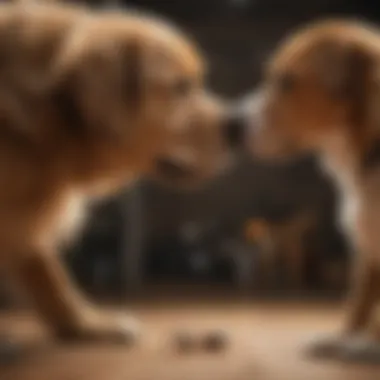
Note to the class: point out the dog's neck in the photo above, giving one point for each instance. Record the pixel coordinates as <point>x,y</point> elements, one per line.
<point>342,164</point>
<point>338,158</point>
<point>351,167</point>
<point>352,159</point>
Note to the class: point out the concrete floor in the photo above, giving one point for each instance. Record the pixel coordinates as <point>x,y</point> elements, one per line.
<point>265,344</point>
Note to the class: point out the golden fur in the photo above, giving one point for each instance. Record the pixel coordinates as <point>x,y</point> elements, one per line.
<point>322,94</point>
<point>88,102</point>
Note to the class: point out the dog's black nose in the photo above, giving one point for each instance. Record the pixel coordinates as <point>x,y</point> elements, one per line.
<point>235,130</point>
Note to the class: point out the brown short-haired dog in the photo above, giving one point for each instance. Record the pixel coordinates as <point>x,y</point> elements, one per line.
<point>322,94</point>
<point>89,101</point>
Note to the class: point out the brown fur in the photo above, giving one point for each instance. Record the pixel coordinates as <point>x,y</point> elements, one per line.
<point>322,94</point>
<point>88,102</point>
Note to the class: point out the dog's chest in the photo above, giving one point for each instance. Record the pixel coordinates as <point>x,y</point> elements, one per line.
<point>350,209</point>
<point>72,216</point>
<point>359,213</point>
<point>349,195</point>
<point>73,209</point>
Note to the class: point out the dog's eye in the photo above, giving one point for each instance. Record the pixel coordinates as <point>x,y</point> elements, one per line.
<point>286,83</point>
<point>182,87</point>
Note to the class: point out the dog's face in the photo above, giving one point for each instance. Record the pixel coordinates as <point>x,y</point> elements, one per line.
<point>139,85</point>
<point>321,86</point>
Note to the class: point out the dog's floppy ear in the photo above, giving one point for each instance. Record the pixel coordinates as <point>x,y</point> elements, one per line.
<point>86,88</point>
<point>133,74</point>
<point>65,102</point>
<point>351,73</point>
<point>343,69</point>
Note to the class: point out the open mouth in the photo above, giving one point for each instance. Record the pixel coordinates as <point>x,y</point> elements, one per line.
<point>185,173</point>
<point>173,170</point>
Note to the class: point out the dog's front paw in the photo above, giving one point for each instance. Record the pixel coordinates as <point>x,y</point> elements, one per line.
<point>329,347</point>
<point>106,328</point>
<point>349,348</point>
<point>361,350</point>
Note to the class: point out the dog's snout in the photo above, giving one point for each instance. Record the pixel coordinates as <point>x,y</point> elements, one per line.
<point>235,129</point>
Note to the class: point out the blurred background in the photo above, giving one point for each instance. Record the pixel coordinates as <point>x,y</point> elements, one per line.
<point>260,230</point>
<point>265,230</point>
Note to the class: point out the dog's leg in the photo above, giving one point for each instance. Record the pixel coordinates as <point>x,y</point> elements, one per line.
<point>63,308</point>
<point>366,348</point>
<point>363,296</point>
<point>362,300</point>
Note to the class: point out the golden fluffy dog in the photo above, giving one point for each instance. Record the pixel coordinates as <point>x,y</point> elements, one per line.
<point>321,93</point>
<point>88,102</point>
